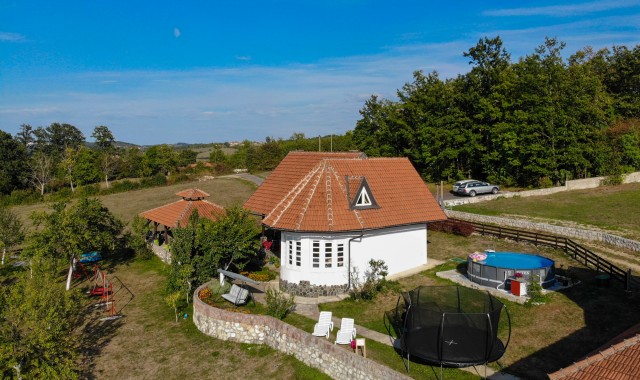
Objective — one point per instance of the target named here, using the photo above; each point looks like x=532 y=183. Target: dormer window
x=363 y=199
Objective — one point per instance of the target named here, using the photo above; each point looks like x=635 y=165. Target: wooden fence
x=568 y=246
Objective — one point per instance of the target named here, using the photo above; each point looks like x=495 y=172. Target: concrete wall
x=576 y=184
x=317 y=352
x=569 y=232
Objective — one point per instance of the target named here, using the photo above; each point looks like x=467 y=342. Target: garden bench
x=237 y=295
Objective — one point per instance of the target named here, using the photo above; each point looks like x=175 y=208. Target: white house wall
x=401 y=248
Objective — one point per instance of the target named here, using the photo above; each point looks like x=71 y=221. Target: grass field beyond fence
x=612 y=208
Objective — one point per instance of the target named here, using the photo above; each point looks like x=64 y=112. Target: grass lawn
x=544 y=337
x=147 y=343
x=614 y=208
x=224 y=191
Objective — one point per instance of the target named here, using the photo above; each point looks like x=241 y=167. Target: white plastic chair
x=347 y=331
x=324 y=325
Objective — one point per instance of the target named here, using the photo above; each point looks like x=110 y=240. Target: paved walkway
x=309 y=308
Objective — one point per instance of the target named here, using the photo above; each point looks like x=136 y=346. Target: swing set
x=103 y=287
x=110 y=289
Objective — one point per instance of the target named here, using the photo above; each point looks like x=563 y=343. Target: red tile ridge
x=595 y=358
x=316 y=181
x=188 y=208
x=288 y=199
x=191 y=193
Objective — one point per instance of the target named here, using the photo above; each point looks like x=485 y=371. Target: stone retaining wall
x=162 y=253
x=570 y=232
x=320 y=353
x=576 y=184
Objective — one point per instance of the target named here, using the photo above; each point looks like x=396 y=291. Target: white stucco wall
x=401 y=248
x=306 y=272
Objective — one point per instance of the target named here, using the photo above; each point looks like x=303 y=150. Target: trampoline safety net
x=451 y=326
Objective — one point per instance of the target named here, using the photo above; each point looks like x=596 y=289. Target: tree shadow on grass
x=608 y=311
x=96 y=334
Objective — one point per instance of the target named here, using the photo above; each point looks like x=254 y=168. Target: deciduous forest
x=535 y=122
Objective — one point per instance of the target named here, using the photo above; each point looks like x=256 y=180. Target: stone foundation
x=305 y=289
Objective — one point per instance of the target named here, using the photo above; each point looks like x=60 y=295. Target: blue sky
x=212 y=71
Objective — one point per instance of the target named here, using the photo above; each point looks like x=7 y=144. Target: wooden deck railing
x=568 y=246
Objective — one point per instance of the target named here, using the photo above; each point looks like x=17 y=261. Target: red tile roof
x=179 y=212
x=314 y=192
x=191 y=194
x=619 y=359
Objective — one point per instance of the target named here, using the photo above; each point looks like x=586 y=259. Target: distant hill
x=118 y=144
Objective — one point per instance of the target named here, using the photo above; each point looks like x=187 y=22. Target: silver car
x=459 y=184
x=473 y=187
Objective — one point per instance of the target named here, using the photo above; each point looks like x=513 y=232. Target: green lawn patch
x=613 y=208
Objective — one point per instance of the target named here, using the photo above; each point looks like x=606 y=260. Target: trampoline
x=451 y=326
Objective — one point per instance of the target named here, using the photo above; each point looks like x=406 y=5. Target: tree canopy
x=534 y=122
x=73 y=229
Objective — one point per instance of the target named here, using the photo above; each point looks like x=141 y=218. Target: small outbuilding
x=170 y=216
x=334 y=212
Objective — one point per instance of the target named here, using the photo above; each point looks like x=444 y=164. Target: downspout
x=349 y=260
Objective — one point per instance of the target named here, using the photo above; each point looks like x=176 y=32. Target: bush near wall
x=452 y=227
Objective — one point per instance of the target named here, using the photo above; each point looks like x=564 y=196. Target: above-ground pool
x=495 y=269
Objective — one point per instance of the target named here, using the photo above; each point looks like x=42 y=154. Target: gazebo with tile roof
x=176 y=214
x=337 y=211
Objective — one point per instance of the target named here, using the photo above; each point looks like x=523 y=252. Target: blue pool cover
x=516 y=260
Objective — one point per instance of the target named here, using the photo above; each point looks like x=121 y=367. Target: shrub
x=178 y=178
x=124 y=185
x=374 y=281
x=615 y=179
x=534 y=291
x=61 y=195
x=157 y=180
x=20 y=197
x=89 y=190
x=278 y=303
x=452 y=226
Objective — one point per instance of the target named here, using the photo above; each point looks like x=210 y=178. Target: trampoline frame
x=491 y=352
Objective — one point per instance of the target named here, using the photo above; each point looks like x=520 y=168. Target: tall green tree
x=41 y=166
x=68 y=164
x=74 y=229
x=25 y=136
x=203 y=246
x=105 y=145
x=37 y=319
x=381 y=130
x=13 y=164
x=104 y=139
x=11 y=230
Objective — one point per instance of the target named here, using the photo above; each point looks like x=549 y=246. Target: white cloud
x=176 y=32
x=11 y=37
x=563 y=10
